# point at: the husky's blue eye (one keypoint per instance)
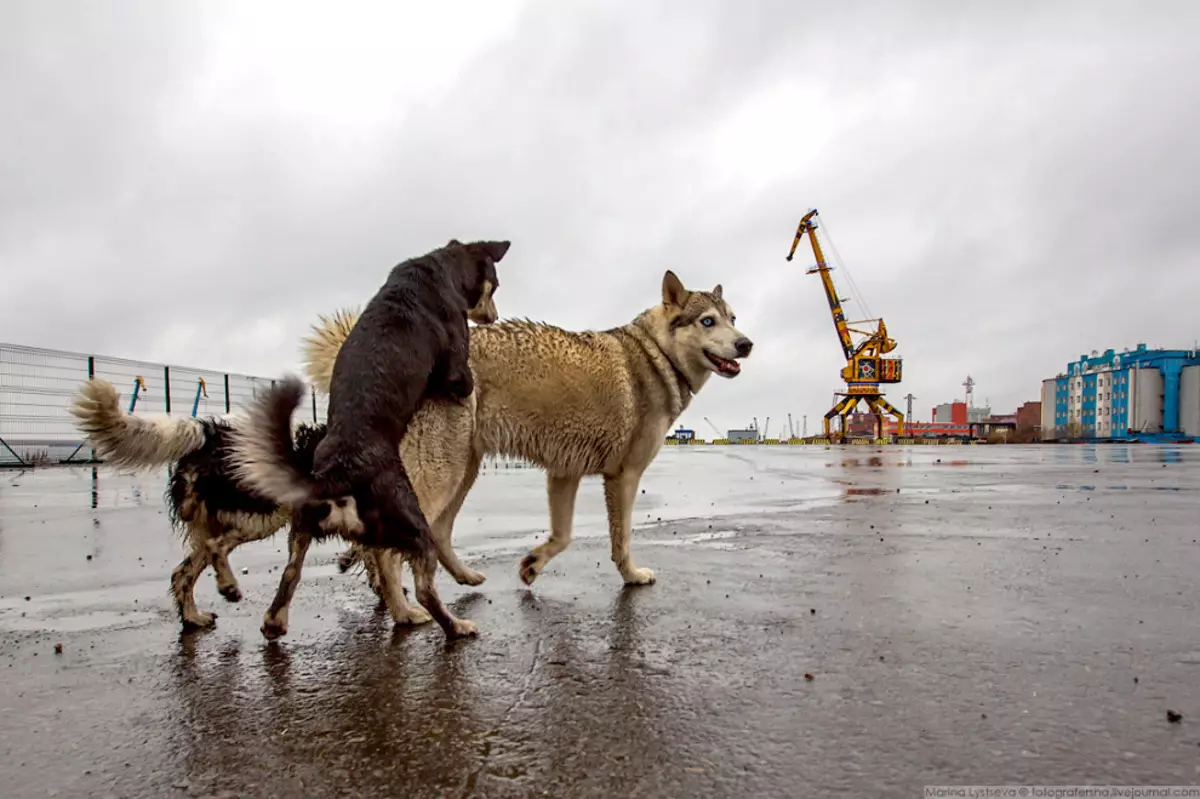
(707, 321)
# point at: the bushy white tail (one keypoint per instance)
(322, 345)
(123, 439)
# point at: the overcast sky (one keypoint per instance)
(1009, 184)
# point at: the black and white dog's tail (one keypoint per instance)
(263, 455)
(125, 440)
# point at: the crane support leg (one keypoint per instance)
(842, 409)
(881, 406)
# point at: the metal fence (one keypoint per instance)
(38, 387)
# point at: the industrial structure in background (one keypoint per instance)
(958, 419)
(1139, 395)
(865, 368)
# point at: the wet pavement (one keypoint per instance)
(969, 615)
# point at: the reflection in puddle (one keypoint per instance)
(867, 492)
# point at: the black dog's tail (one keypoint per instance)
(263, 456)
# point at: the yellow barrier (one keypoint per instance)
(824, 442)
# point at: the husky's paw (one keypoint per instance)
(274, 628)
(471, 577)
(412, 615)
(200, 621)
(531, 567)
(232, 593)
(639, 576)
(461, 628)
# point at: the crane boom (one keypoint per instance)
(865, 365)
(807, 225)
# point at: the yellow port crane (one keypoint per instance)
(865, 365)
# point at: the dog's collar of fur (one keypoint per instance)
(683, 390)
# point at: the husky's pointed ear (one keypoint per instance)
(496, 249)
(673, 292)
(716, 292)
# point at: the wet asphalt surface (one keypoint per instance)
(969, 615)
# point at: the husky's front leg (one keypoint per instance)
(619, 492)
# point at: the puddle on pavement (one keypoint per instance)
(78, 622)
(716, 539)
(1065, 487)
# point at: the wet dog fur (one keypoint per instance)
(204, 503)
(215, 514)
(409, 344)
(446, 441)
(579, 404)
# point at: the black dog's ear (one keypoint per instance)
(454, 243)
(495, 249)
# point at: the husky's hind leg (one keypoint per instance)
(561, 492)
(389, 571)
(442, 528)
(404, 527)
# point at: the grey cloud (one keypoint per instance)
(1007, 184)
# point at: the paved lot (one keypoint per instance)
(969, 615)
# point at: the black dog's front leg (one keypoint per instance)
(457, 382)
(460, 385)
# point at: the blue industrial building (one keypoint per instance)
(1135, 394)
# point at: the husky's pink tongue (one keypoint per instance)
(729, 367)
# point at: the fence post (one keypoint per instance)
(91, 376)
(226, 393)
(313, 391)
(167, 384)
(91, 368)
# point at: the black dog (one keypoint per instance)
(410, 343)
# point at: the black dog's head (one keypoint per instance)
(476, 263)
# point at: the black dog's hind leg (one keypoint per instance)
(424, 562)
(401, 520)
(403, 527)
(276, 618)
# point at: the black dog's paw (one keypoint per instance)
(460, 388)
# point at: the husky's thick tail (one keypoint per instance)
(125, 440)
(263, 455)
(322, 345)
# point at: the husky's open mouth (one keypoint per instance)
(724, 366)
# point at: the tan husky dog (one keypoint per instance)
(575, 404)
